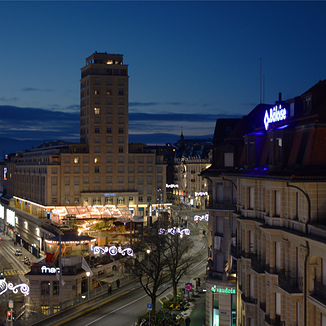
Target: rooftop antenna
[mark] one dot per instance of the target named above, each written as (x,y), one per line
(260,82)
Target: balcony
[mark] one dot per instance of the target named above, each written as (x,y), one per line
(319,292)
(248,299)
(257,264)
(274,321)
(225,204)
(235,252)
(262,306)
(245,254)
(290,284)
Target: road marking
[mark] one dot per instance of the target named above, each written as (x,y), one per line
(94,321)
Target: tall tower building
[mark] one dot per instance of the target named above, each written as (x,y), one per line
(104,111)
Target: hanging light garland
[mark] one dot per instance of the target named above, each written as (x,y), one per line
(174,231)
(113,250)
(202,217)
(4,286)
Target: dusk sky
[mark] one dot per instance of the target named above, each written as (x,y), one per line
(189,62)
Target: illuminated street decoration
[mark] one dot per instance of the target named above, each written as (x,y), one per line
(200,218)
(171,186)
(201,193)
(4,286)
(275,115)
(225,290)
(50,270)
(113,250)
(174,231)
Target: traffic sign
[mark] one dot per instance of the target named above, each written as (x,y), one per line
(149,307)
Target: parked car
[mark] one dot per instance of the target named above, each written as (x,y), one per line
(18,252)
(26,261)
(65,228)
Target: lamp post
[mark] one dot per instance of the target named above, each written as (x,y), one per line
(88,275)
(148,252)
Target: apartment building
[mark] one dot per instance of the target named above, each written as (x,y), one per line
(280,216)
(103,169)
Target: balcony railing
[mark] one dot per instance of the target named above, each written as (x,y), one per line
(262,306)
(320,291)
(248,299)
(257,264)
(274,321)
(236,252)
(245,254)
(225,204)
(290,284)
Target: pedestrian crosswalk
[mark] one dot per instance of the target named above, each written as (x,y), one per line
(13,273)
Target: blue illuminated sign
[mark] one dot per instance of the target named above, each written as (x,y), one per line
(277,113)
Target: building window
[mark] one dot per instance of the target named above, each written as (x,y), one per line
(86,159)
(109,169)
(131,199)
(120,159)
(149,169)
(109,92)
(67,181)
(277,203)
(97,130)
(120,92)
(251,197)
(76,181)
(130,179)
(140,180)
(86,180)
(108,130)
(131,169)
(76,200)
(76,169)
(54,181)
(121,121)
(121,111)
(45,288)
(96,160)
(54,201)
(54,170)
(159,169)
(140,169)
(149,180)
(56,288)
(76,160)
(140,199)
(97,180)
(120,179)
(67,200)
(120,130)
(120,149)
(149,199)
(120,169)
(108,179)
(228,159)
(97,170)
(109,111)
(120,140)
(86,169)
(109,139)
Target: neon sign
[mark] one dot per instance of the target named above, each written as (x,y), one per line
(51,270)
(225,290)
(171,186)
(200,218)
(201,193)
(275,115)
(4,286)
(174,231)
(113,250)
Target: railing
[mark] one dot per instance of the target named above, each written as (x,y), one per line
(320,291)
(262,306)
(258,265)
(273,321)
(236,252)
(290,284)
(248,299)
(226,204)
(245,254)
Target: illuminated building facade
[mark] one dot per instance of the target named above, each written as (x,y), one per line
(103,169)
(280,216)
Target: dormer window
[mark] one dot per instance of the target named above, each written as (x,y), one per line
(307,104)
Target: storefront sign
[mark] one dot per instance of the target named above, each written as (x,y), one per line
(113,250)
(275,114)
(224,290)
(50,270)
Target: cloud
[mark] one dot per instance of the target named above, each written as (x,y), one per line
(8,99)
(31,89)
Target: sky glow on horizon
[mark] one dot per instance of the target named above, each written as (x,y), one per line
(189,62)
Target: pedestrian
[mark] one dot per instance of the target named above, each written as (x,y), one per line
(118,283)
(109,289)
(188,321)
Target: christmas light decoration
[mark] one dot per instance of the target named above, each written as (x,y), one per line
(174,231)
(4,286)
(202,217)
(113,250)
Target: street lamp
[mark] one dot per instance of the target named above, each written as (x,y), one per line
(88,275)
(148,252)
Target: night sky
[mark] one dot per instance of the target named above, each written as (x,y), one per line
(189,62)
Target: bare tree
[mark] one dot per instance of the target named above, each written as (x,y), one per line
(151,264)
(180,258)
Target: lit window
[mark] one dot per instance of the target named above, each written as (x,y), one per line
(96,160)
(96,92)
(108,92)
(97,110)
(76,160)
